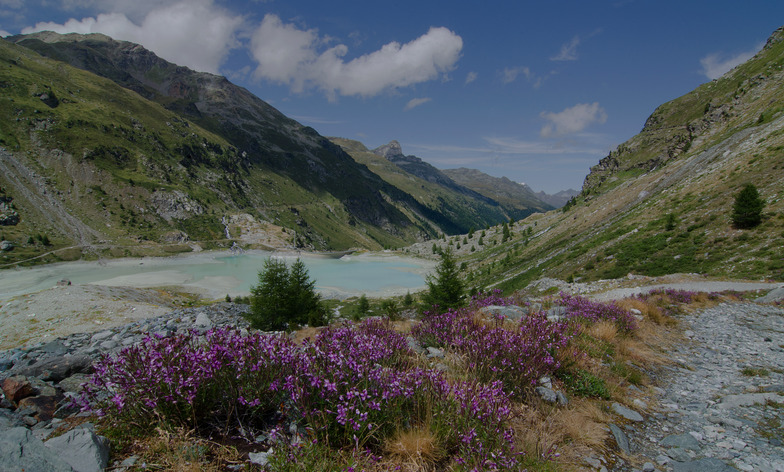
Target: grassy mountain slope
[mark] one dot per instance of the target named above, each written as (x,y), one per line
(519,199)
(92,164)
(693,156)
(447,204)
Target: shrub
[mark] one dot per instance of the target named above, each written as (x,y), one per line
(747,210)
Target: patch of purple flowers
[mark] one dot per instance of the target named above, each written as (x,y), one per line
(581,308)
(350,387)
(517,355)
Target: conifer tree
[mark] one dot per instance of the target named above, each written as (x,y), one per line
(445,288)
(747,210)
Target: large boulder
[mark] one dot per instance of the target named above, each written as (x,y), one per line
(59,368)
(20,450)
(84,450)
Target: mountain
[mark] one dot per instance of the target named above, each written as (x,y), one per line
(558,199)
(128,154)
(661,203)
(453,206)
(518,198)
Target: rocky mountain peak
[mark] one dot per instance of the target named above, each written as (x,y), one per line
(390,150)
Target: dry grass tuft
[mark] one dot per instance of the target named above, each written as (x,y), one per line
(649,310)
(306,333)
(180,451)
(583,423)
(417,448)
(604,330)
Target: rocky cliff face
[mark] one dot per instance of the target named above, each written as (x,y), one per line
(744,96)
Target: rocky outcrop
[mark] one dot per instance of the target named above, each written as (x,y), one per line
(175,205)
(8,214)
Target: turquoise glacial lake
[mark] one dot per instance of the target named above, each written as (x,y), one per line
(215,274)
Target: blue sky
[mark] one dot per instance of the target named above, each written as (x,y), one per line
(534,91)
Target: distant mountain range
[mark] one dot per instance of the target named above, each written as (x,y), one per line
(128,148)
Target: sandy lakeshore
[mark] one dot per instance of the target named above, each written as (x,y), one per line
(60,311)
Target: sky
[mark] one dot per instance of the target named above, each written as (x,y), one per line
(535,91)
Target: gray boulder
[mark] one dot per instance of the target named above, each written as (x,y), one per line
(84,450)
(6,245)
(547,394)
(620,438)
(630,415)
(511,312)
(774,295)
(20,450)
(59,368)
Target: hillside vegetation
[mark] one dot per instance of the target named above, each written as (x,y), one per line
(147,157)
(662,202)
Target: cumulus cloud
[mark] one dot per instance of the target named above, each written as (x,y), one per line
(572,120)
(472,76)
(714,65)
(510,74)
(415,102)
(194,33)
(301,59)
(4,33)
(568,51)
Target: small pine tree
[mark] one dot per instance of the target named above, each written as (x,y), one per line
(363,306)
(747,210)
(408,300)
(445,288)
(670,223)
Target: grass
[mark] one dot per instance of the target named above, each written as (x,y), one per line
(755,372)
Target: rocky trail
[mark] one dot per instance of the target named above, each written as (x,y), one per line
(720,404)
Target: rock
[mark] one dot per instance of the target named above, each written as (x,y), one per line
(6,364)
(511,312)
(546,394)
(21,450)
(203,321)
(16,388)
(684,441)
(648,467)
(546,382)
(73,383)
(749,399)
(6,245)
(561,397)
(82,449)
(708,464)
(630,415)
(43,406)
(434,352)
(678,454)
(556,313)
(775,295)
(260,458)
(63,283)
(414,345)
(58,368)
(620,439)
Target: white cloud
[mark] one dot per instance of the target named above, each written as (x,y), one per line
(472,76)
(295,57)
(193,33)
(510,74)
(572,120)
(4,33)
(714,66)
(568,51)
(415,102)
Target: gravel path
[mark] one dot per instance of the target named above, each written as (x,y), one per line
(721,403)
